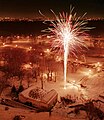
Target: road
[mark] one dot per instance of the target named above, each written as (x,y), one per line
(16,104)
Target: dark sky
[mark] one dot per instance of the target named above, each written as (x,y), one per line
(30,8)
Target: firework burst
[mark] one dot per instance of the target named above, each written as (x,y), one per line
(68,33)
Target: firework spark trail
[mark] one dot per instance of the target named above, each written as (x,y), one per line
(68,33)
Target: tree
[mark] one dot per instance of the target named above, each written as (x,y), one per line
(14,57)
(20,89)
(3,83)
(14,92)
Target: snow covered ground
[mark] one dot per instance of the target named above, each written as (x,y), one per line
(93,86)
(26,114)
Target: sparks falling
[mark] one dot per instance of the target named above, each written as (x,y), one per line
(68,34)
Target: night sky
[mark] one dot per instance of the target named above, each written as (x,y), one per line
(30,8)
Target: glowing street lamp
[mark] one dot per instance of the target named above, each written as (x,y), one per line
(98,66)
(89,73)
(47,51)
(3,44)
(16,45)
(30,47)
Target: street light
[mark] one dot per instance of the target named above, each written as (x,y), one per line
(3,44)
(98,66)
(16,45)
